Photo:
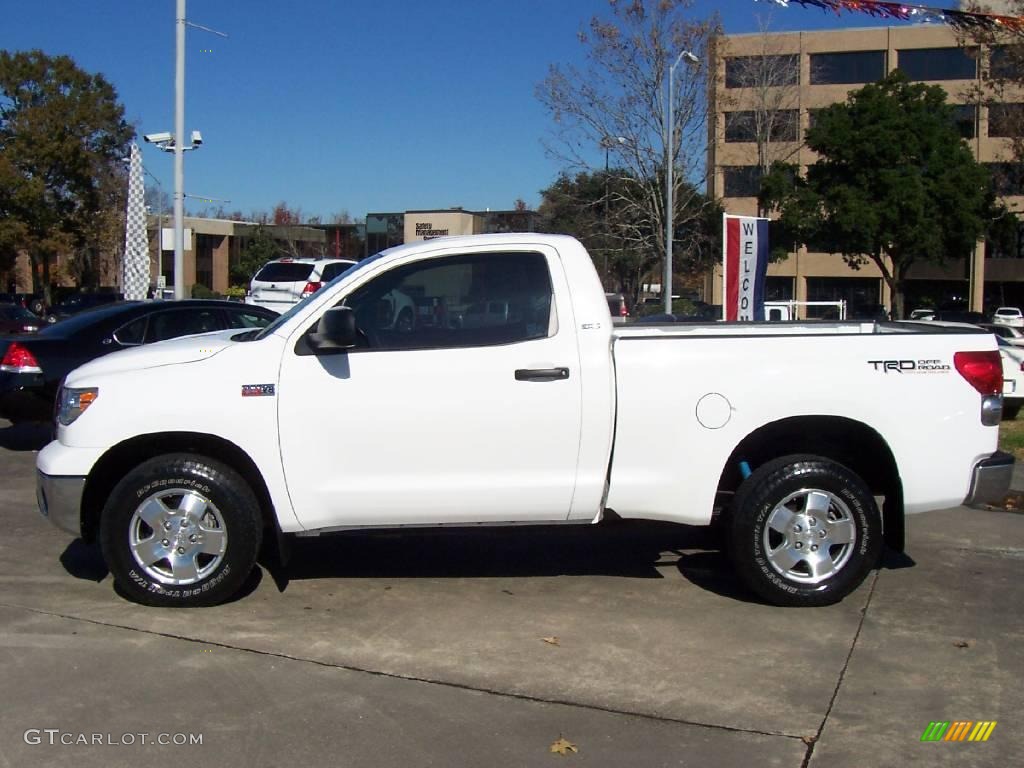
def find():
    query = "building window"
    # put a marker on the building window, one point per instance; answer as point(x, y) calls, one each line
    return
point(1006, 120)
point(778, 289)
point(1012, 247)
point(776, 125)
point(769, 70)
point(861, 294)
point(965, 120)
point(742, 180)
point(846, 68)
point(204, 260)
point(1007, 178)
point(938, 63)
point(1006, 61)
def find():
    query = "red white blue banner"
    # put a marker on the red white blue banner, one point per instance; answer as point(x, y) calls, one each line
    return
point(745, 264)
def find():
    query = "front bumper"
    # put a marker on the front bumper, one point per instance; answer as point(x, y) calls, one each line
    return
point(990, 480)
point(60, 500)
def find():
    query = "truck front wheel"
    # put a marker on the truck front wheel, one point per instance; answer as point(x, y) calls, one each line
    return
point(805, 531)
point(181, 530)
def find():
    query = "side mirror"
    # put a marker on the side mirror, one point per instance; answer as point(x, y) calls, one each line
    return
point(335, 332)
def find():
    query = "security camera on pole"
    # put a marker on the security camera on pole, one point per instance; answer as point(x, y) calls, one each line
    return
point(176, 143)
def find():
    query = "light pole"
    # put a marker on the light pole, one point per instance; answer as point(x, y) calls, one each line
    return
point(666, 288)
point(607, 142)
point(175, 142)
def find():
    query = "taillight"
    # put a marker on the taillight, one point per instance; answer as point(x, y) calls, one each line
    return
point(311, 287)
point(17, 359)
point(983, 370)
point(623, 312)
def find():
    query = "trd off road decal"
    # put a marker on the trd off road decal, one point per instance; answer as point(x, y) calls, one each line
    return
point(910, 366)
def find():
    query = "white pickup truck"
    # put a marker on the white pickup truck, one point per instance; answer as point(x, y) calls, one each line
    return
point(809, 442)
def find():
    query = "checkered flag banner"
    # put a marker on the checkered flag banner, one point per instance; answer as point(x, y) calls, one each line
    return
point(135, 280)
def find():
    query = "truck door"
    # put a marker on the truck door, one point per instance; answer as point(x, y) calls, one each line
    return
point(458, 417)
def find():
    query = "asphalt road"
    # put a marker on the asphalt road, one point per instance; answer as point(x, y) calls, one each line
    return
point(632, 642)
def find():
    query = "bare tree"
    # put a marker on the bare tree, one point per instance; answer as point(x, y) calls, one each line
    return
point(763, 105)
point(617, 102)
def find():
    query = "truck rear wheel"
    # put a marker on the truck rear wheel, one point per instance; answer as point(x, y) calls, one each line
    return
point(180, 531)
point(805, 531)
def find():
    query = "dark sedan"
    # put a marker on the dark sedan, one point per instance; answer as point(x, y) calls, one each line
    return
point(32, 367)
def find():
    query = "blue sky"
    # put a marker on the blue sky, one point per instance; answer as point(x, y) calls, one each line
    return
point(347, 105)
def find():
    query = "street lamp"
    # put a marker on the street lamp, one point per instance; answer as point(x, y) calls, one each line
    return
point(666, 288)
point(607, 142)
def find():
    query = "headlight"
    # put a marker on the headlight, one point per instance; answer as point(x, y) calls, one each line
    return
point(71, 403)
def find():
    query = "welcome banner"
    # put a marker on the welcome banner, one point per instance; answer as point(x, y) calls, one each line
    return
point(745, 241)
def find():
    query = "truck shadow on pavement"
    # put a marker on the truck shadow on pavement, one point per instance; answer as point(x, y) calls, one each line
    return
point(25, 436)
point(630, 549)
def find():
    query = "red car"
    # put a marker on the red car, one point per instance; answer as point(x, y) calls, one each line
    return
point(15, 319)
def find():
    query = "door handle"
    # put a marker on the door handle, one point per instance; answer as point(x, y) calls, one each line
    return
point(541, 374)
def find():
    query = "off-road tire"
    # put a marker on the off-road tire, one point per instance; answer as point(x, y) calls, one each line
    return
point(214, 509)
point(787, 507)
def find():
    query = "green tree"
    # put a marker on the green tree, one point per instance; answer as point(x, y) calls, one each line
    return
point(62, 137)
point(260, 248)
point(894, 183)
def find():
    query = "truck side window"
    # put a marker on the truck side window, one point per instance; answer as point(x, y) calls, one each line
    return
point(459, 301)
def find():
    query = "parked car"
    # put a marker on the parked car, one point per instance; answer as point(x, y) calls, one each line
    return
point(1008, 316)
point(30, 301)
point(1013, 378)
point(923, 314)
point(960, 316)
point(327, 421)
point(31, 367)
point(282, 283)
point(14, 318)
point(1008, 333)
point(79, 302)
point(617, 307)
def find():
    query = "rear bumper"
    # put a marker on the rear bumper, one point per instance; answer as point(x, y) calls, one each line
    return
point(990, 480)
point(60, 501)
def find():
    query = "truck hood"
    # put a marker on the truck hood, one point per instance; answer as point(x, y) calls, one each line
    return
point(187, 349)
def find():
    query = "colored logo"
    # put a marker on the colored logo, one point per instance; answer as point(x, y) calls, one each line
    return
point(257, 390)
point(959, 730)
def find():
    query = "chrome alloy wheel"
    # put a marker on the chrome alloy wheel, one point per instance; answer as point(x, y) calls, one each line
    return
point(809, 536)
point(177, 536)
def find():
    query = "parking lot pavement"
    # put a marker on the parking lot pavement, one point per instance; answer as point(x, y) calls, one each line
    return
point(429, 648)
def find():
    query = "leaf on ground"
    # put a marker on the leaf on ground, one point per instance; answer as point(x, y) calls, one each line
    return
point(563, 747)
point(550, 640)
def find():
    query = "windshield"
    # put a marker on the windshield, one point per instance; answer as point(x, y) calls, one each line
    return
point(279, 321)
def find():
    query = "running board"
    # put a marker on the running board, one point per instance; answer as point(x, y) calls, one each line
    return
point(397, 526)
